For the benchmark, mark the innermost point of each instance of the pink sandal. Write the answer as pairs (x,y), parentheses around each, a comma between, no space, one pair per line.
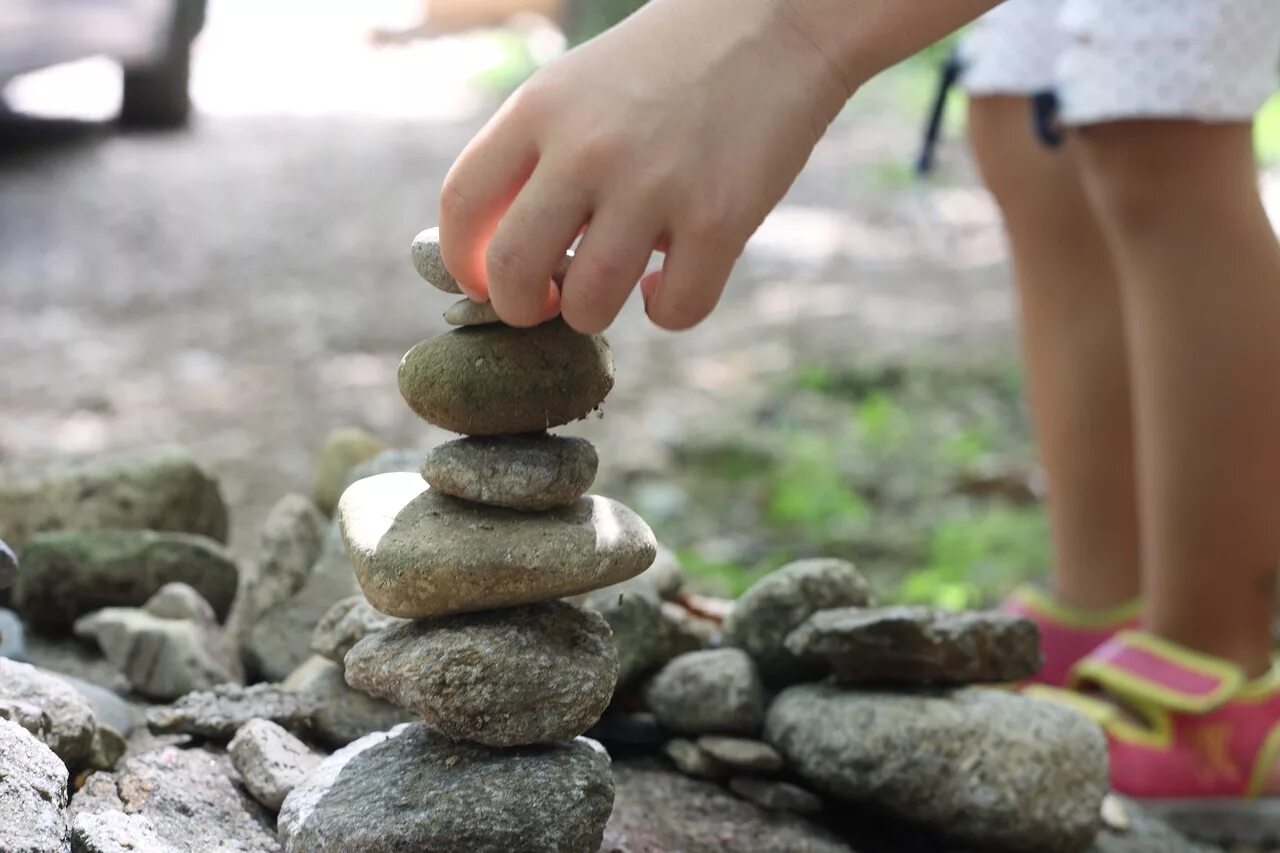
(1067,634)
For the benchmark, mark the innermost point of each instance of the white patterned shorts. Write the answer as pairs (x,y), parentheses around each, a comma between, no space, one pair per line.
(1211,60)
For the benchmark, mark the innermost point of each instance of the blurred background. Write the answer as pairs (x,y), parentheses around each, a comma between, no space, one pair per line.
(238,281)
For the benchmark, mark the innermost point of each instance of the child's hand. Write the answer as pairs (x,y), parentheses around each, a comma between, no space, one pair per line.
(678,130)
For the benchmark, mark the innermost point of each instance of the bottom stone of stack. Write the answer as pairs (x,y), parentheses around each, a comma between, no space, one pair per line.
(539,673)
(414,789)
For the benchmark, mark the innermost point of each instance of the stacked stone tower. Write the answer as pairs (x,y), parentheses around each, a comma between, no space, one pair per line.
(478,552)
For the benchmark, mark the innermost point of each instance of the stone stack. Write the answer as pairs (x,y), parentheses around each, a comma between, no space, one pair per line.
(476,554)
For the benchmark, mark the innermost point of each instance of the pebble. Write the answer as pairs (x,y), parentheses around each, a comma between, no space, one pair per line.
(986,767)
(347,623)
(50,709)
(343,450)
(169,647)
(271,761)
(8,566)
(162,489)
(712,691)
(465,312)
(919,645)
(450,796)
(68,574)
(496,380)
(427,260)
(219,713)
(776,796)
(692,760)
(419,553)
(526,472)
(192,799)
(33,794)
(778,603)
(539,673)
(343,714)
(742,754)
(108,748)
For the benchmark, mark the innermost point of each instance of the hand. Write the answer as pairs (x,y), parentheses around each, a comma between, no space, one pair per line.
(678,130)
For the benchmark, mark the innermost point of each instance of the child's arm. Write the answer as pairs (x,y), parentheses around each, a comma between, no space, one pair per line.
(679,129)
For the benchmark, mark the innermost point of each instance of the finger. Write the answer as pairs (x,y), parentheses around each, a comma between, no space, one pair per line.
(609,261)
(688,286)
(530,244)
(478,190)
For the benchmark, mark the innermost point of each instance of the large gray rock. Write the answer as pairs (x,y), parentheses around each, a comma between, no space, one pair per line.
(289,544)
(496,380)
(280,639)
(343,450)
(167,648)
(986,767)
(271,761)
(525,472)
(919,645)
(347,623)
(717,690)
(539,673)
(191,799)
(33,794)
(657,810)
(160,489)
(778,603)
(116,832)
(219,713)
(342,714)
(414,789)
(420,553)
(66,575)
(50,709)
(644,638)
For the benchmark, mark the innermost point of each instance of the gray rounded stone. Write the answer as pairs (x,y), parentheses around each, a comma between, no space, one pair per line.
(465,312)
(742,754)
(779,602)
(68,574)
(427,260)
(343,450)
(421,553)
(496,380)
(347,623)
(50,709)
(717,690)
(526,472)
(33,794)
(919,645)
(343,714)
(414,789)
(645,640)
(271,761)
(540,673)
(982,766)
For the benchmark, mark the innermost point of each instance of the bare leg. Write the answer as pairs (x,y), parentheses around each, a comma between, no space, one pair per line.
(1200,271)
(1074,345)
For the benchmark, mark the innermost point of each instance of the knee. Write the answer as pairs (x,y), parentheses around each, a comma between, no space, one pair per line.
(1028,181)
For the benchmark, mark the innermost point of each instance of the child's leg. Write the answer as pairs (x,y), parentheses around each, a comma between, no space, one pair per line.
(1200,269)
(1073,342)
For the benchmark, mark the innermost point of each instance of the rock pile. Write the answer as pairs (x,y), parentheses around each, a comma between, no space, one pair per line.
(471,559)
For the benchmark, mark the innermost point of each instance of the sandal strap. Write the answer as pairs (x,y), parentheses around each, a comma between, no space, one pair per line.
(1142,669)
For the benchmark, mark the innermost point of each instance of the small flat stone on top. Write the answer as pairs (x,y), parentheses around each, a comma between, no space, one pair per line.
(919,645)
(526,472)
(429,263)
(498,380)
(466,312)
(541,673)
(420,553)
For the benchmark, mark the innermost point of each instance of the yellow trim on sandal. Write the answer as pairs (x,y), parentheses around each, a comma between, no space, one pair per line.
(1041,602)
(1137,690)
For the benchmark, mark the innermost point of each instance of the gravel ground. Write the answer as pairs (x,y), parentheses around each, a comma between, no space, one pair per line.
(244,287)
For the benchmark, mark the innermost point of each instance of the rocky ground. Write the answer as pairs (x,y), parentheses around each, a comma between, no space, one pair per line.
(775,722)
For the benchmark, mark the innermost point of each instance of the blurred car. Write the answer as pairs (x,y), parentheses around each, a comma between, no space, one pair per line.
(151,39)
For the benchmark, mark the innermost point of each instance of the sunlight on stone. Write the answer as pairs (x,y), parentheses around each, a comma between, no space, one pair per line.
(605,521)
